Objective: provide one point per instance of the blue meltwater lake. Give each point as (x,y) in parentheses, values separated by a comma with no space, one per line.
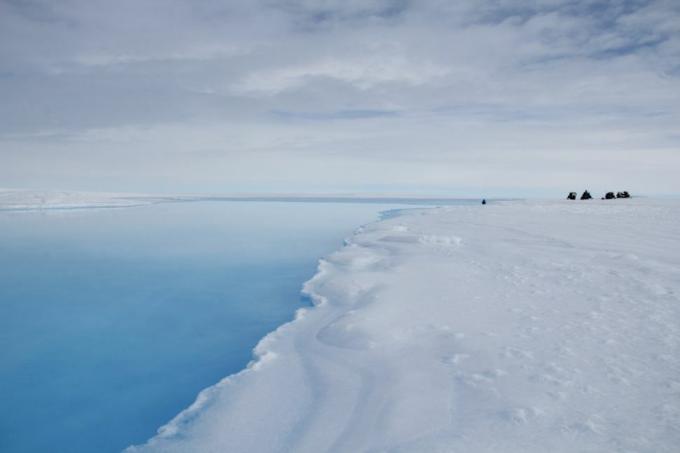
(112,320)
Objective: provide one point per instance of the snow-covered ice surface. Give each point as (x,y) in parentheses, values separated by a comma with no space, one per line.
(21,200)
(28,200)
(513,327)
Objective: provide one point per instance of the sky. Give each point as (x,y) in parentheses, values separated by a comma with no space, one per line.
(460,98)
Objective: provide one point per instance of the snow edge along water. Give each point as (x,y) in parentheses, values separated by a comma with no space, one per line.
(523,326)
(263,352)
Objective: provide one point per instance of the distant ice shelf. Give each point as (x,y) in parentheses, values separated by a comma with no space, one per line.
(514,327)
(20,200)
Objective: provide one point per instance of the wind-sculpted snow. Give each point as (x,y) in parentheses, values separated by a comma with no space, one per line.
(511,327)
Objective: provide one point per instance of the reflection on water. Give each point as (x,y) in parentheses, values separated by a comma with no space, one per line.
(111,321)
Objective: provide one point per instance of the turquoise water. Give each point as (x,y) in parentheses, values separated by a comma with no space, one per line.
(112,320)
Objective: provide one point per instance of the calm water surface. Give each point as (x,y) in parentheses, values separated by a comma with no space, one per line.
(112,320)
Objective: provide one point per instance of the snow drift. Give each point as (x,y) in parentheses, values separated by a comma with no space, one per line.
(517,326)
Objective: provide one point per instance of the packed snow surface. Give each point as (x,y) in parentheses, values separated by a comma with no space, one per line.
(510,327)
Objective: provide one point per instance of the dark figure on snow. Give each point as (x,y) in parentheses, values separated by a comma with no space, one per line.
(623,194)
(484,201)
(586,195)
(609,196)
(571,196)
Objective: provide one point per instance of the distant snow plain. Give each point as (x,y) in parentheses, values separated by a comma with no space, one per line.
(29,200)
(20,200)
(512,327)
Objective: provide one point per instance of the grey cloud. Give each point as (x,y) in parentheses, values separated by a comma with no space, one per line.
(428,81)
(335,115)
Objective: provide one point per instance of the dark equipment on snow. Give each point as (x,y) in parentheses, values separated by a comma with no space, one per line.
(586,195)
(571,196)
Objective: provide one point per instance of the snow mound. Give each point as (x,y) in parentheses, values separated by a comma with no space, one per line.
(514,327)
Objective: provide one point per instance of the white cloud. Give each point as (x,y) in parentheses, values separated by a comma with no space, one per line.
(544,85)
(361,73)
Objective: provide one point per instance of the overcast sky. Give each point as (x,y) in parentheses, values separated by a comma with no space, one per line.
(430,96)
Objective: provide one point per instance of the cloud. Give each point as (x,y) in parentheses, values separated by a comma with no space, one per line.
(363,74)
(462,86)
